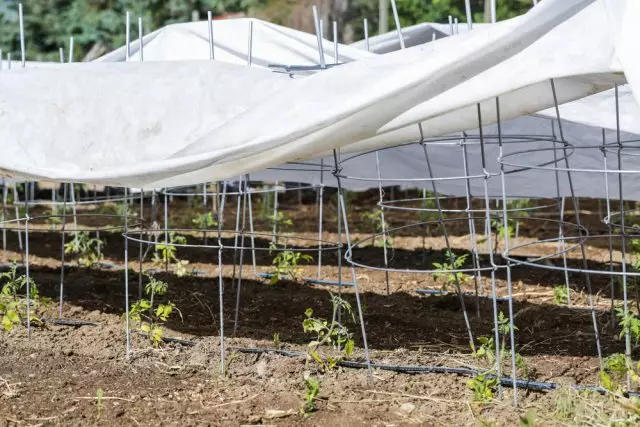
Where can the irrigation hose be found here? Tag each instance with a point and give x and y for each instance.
(416, 369)
(438, 293)
(68, 322)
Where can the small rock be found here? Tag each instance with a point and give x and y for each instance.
(255, 419)
(271, 414)
(407, 408)
(261, 368)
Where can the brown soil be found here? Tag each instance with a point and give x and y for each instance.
(53, 377)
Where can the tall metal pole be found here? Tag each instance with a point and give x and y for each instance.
(22, 47)
(383, 16)
(127, 35)
(318, 27)
(467, 9)
(250, 47)
(493, 11)
(140, 34)
(366, 34)
(210, 22)
(71, 49)
(396, 18)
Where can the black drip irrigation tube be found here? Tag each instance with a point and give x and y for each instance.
(180, 341)
(424, 369)
(308, 280)
(193, 272)
(68, 322)
(440, 293)
(64, 322)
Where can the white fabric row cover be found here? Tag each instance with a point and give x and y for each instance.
(190, 41)
(412, 36)
(270, 44)
(176, 123)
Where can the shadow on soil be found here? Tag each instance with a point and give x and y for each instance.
(48, 244)
(400, 320)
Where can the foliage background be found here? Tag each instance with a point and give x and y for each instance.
(98, 25)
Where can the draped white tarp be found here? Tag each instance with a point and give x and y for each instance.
(270, 44)
(171, 123)
(190, 41)
(413, 35)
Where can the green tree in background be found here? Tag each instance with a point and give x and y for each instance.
(413, 12)
(98, 25)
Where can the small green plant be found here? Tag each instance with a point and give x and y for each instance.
(428, 205)
(13, 302)
(166, 254)
(504, 329)
(617, 366)
(519, 209)
(483, 388)
(331, 333)
(379, 225)
(280, 223)
(149, 319)
(633, 284)
(280, 220)
(560, 295)
(264, 204)
(519, 204)
(285, 265)
(196, 200)
(614, 371)
(276, 340)
(117, 209)
(204, 221)
(53, 221)
(446, 269)
(312, 391)
(180, 268)
(88, 249)
(428, 214)
(124, 209)
(634, 244)
(99, 399)
(628, 321)
(501, 230)
(349, 197)
(487, 348)
(528, 419)
(56, 213)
